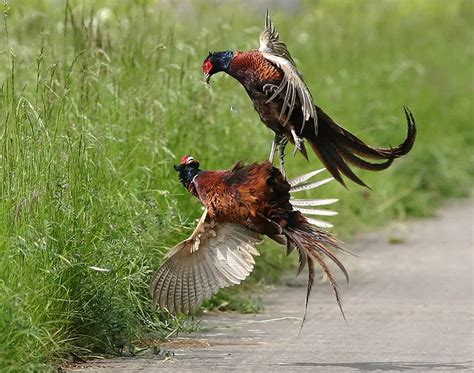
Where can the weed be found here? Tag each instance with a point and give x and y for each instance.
(97, 103)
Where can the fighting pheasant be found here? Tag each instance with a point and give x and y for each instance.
(242, 204)
(286, 106)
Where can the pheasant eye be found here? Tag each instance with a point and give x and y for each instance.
(207, 66)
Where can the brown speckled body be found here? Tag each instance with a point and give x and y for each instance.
(256, 196)
(253, 71)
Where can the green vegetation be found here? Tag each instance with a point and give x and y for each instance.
(97, 103)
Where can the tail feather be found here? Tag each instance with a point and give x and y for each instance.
(303, 260)
(325, 157)
(363, 164)
(331, 279)
(335, 164)
(337, 147)
(407, 145)
(314, 245)
(309, 286)
(290, 246)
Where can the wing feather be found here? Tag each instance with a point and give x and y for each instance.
(312, 185)
(319, 223)
(313, 202)
(215, 256)
(306, 211)
(300, 179)
(174, 280)
(214, 278)
(292, 84)
(201, 283)
(270, 41)
(299, 184)
(227, 276)
(191, 287)
(166, 280)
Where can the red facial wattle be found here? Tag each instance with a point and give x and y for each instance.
(207, 67)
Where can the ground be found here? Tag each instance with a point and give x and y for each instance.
(409, 307)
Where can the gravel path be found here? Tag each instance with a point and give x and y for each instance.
(409, 307)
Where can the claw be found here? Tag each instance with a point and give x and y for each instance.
(269, 89)
(299, 143)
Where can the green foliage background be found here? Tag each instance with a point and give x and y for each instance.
(98, 99)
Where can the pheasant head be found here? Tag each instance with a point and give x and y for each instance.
(188, 168)
(215, 62)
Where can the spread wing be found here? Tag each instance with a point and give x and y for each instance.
(270, 42)
(292, 84)
(299, 184)
(215, 256)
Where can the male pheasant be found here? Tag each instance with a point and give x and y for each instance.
(241, 205)
(285, 105)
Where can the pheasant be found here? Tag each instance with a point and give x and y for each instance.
(286, 106)
(241, 205)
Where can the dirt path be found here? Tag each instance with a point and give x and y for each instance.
(409, 308)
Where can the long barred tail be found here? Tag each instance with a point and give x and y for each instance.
(337, 147)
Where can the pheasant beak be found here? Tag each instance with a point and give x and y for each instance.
(207, 78)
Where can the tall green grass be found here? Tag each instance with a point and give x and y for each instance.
(98, 101)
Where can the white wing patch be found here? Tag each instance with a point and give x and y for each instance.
(216, 255)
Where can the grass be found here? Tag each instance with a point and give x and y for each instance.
(98, 102)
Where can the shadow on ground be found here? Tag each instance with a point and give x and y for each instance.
(388, 366)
